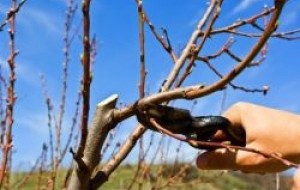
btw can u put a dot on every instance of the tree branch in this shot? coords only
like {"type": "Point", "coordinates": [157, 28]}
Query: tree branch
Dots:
{"type": "Point", "coordinates": [103, 174]}
{"type": "Point", "coordinates": [102, 123]}
{"type": "Point", "coordinates": [86, 75]}
{"type": "Point", "coordinates": [11, 96]}
{"type": "Point", "coordinates": [199, 90]}
{"type": "Point", "coordinates": [12, 12]}
{"type": "Point", "coordinates": [187, 50]}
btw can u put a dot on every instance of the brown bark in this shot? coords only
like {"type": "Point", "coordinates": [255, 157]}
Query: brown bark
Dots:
{"type": "Point", "coordinates": [102, 123]}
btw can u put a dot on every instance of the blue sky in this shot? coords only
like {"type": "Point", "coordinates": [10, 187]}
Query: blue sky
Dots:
{"type": "Point", "coordinates": [39, 39]}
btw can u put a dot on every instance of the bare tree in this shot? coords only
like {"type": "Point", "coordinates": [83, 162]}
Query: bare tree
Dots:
{"type": "Point", "coordinates": [86, 174]}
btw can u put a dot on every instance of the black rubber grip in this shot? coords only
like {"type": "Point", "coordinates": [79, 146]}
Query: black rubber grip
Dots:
{"type": "Point", "coordinates": [204, 127]}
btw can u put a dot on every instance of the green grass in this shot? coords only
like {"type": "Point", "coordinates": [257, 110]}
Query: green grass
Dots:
{"type": "Point", "coordinates": [197, 180]}
{"type": "Point", "coordinates": [194, 179]}
{"type": "Point", "coordinates": [25, 181]}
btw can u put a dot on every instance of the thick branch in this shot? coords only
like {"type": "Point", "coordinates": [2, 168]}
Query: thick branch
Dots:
{"type": "Point", "coordinates": [102, 123]}
{"type": "Point", "coordinates": [103, 175]}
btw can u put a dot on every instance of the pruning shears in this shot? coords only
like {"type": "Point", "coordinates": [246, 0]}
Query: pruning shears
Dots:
{"type": "Point", "coordinates": [180, 121]}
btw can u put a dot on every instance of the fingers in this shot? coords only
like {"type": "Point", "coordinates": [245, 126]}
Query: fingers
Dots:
{"type": "Point", "coordinates": [222, 159]}
{"type": "Point", "coordinates": [217, 159]}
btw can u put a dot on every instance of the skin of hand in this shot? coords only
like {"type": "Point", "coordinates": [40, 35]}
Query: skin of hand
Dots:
{"type": "Point", "coordinates": [267, 130]}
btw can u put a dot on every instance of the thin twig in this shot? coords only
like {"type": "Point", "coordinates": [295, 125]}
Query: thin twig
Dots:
{"type": "Point", "coordinates": [86, 76]}
{"type": "Point", "coordinates": [243, 22]}
{"type": "Point", "coordinates": [68, 24]}
{"type": "Point", "coordinates": [196, 50]}
{"type": "Point", "coordinates": [108, 142]}
{"type": "Point", "coordinates": [142, 50]}
{"type": "Point", "coordinates": [58, 124]}
{"type": "Point", "coordinates": [2, 108]}
{"type": "Point", "coordinates": [73, 125]}
{"type": "Point", "coordinates": [281, 35]}
{"type": "Point", "coordinates": [11, 13]}
{"type": "Point", "coordinates": [11, 99]}
{"type": "Point", "coordinates": [50, 113]}
{"type": "Point", "coordinates": [165, 44]}
{"type": "Point", "coordinates": [188, 48]}
{"type": "Point", "coordinates": [264, 90]}
{"type": "Point", "coordinates": [141, 22]}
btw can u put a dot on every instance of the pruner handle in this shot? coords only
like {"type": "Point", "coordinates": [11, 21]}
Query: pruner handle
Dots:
{"type": "Point", "coordinates": [205, 127]}
{"type": "Point", "coordinates": [180, 121]}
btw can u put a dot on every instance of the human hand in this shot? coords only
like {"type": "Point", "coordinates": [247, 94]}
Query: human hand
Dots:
{"type": "Point", "coordinates": [267, 130]}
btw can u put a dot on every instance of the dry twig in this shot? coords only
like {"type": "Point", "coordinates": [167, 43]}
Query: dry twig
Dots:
{"type": "Point", "coordinates": [11, 97]}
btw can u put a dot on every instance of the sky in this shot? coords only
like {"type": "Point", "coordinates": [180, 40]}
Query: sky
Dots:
{"type": "Point", "coordinates": [39, 38]}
